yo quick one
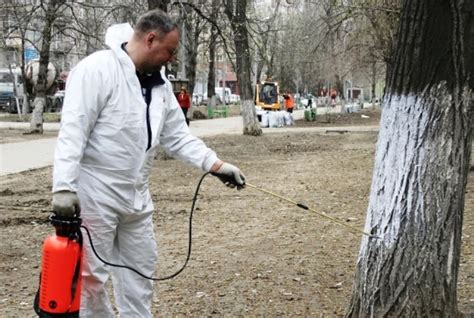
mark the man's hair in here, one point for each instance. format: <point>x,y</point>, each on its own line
<point>155,20</point>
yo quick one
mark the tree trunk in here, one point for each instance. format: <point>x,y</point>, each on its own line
<point>25,109</point>
<point>339,85</point>
<point>420,174</point>
<point>191,53</point>
<point>373,81</point>
<point>243,65</point>
<point>158,4</point>
<point>39,103</point>
<point>335,61</point>
<point>259,69</point>
<point>249,116</point>
<point>211,74</point>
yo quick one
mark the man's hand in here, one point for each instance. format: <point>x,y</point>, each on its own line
<point>230,175</point>
<point>66,203</point>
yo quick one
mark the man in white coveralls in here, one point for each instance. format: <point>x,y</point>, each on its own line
<point>118,108</point>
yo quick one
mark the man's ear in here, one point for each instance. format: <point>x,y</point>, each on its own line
<point>149,38</point>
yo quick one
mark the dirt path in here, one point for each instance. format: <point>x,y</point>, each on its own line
<point>252,255</point>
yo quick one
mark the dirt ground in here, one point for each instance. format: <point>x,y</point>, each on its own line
<point>253,255</point>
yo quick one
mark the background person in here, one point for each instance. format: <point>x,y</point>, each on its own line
<point>289,105</point>
<point>310,101</point>
<point>184,102</point>
<point>333,97</point>
<point>118,109</point>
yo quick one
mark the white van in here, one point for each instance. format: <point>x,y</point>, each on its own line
<point>224,94</point>
<point>10,81</point>
<point>234,98</point>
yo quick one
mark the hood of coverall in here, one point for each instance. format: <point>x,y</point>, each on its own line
<point>117,34</point>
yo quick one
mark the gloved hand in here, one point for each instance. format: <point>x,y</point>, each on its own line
<point>66,203</point>
<point>230,175</point>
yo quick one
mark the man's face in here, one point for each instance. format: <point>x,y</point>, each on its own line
<point>160,51</point>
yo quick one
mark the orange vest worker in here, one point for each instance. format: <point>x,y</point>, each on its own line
<point>289,102</point>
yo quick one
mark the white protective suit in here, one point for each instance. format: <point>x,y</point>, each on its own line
<point>101,154</point>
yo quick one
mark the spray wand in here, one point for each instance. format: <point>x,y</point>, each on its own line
<point>305,207</point>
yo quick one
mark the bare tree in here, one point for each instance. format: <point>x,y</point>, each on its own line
<point>376,27</point>
<point>51,9</point>
<point>421,168</point>
<point>211,74</point>
<point>332,42</point>
<point>80,25</point>
<point>192,25</point>
<point>236,13</point>
<point>200,29</point>
<point>264,38</point>
<point>17,17</point>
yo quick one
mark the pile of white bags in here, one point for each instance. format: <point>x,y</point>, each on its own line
<point>288,118</point>
<point>265,119</point>
<point>275,119</point>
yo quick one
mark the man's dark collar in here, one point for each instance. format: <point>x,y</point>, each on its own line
<point>147,79</point>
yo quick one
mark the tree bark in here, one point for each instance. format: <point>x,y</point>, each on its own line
<point>421,167</point>
<point>373,81</point>
<point>39,103</point>
<point>211,74</point>
<point>158,4</point>
<point>191,51</point>
<point>237,16</point>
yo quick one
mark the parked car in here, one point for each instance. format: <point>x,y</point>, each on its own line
<point>10,82</point>
<point>223,93</point>
<point>198,99</point>
<point>234,98</point>
<point>56,102</point>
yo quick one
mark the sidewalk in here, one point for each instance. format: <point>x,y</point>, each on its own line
<point>22,156</point>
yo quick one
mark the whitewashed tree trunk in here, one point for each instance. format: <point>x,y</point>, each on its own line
<point>36,123</point>
<point>26,102</point>
<point>421,167</point>
<point>251,125</point>
<point>416,206</point>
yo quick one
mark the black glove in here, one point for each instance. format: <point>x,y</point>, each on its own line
<point>231,176</point>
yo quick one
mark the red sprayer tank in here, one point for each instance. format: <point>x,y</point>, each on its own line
<point>61,266</point>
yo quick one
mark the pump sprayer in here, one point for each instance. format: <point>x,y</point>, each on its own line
<point>60,280</point>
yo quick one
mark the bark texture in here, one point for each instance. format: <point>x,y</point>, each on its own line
<point>421,168</point>
<point>211,74</point>
<point>158,4</point>
<point>236,12</point>
<point>193,30</point>
<point>36,123</point>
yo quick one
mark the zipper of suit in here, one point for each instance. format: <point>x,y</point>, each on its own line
<point>146,92</point>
